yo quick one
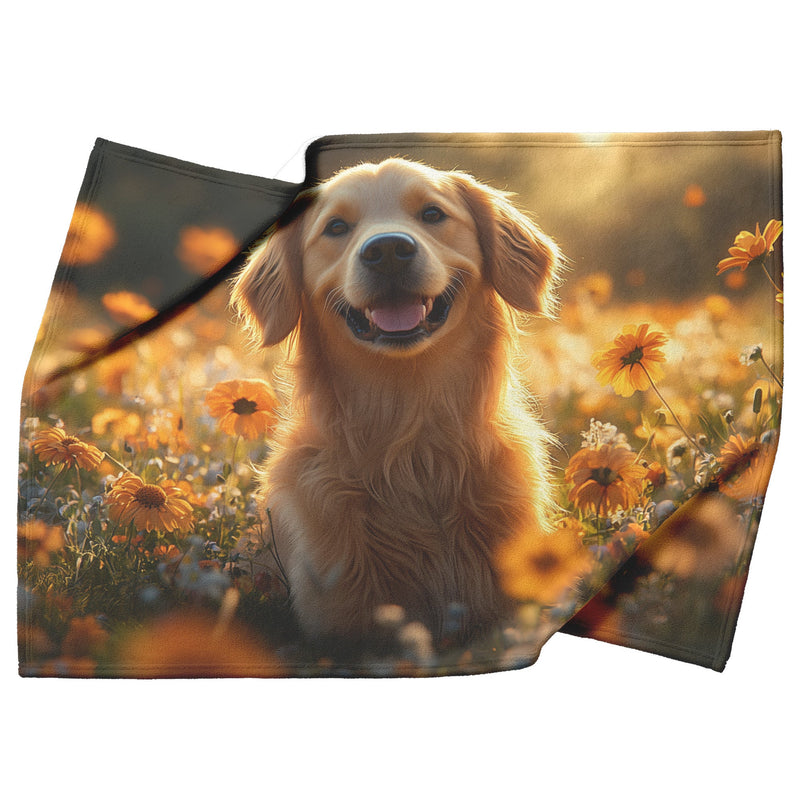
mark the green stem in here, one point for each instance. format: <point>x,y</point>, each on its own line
<point>117,463</point>
<point>645,446</point>
<point>771,372</point>
<point>80,487</point>
<point>233,455</point>
<point>674,415</point>
<point>769,277</point>
<point>50,486</point>
<point>226,493</point>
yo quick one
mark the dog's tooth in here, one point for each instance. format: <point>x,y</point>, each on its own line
<point>428,306</point>
<point>368,315</point>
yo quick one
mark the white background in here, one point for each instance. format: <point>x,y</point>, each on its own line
<point>245,86</point>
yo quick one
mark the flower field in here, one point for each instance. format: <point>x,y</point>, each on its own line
<point>141,550</point>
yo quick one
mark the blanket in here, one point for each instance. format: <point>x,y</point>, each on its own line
<point>450,396</point>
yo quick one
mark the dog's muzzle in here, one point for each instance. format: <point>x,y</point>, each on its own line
<point>397,316</point>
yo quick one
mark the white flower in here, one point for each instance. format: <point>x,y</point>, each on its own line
<point>601,433</point>
<point>751,354</point>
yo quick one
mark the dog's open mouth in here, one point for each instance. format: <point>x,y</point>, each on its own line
<point>401,322</point>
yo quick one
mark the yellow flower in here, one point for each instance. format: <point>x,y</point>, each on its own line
<point>746,466</point>
<point>749,247</point>
<point>149,506</point>
<point>605,479</point>
<point>244,408</point>
<point>53,446</point>
<point>627,362</point>
<point>128,308</point>
<point>538,568</point>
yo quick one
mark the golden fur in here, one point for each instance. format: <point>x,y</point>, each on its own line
<point>400,467</point>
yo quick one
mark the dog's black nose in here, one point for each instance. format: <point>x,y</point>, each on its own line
<point>388,253</point>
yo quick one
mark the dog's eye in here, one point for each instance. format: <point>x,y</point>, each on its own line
<point>336,227</point>
<point>432,214</point>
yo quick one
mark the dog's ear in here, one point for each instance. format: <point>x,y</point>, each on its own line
<point>520,261</point>
<point>266,293</point>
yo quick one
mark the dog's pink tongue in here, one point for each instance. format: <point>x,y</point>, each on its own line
<point>398,318</point>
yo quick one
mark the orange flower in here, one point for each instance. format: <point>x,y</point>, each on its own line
<point>656,474</point>
<point>195,498</point>
<point>718,307</point>
<point>605,479</point>
<point>166,552</point>
<point>192,644</point>
<point>85,637</point>
<point>85,340</point>
<point>120,423</point>
<point>746,466</point>
<point>91,234</point>
<point>538,568</point>
<point>37,540</point>
<point>165,428</point>
<point>53,446</point>
<point>128,308</point>
<point>701,540</point>
<point>597,287</point>
<point>244,408</point>
<point>749,247</point>
<point>627,362</point>
<point>149,506</point>
<point>204,250</point>
<point>694,196</point>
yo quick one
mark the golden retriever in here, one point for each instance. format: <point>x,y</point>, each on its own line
<point>409,452</point>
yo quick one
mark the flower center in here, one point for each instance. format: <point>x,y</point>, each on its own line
<point>68,440</point>
<point>543,563</point>
<point>151,496</point>
<point>604,476</point>
<point>245,406</point>
<point>634,357</point>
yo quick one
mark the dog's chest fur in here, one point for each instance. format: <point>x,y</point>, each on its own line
<point>408,516</point>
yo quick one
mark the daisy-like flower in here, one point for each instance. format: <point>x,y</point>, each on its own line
<point>244,408</point>
<point>54,446</point>
<point>632,362</point>
<point>540,568</point>
<point>746,465</point>
<point>605,479</point>
<point>751,248</point>
<point>149,506</point>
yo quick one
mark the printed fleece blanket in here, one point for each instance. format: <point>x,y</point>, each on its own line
<point>453,394</point>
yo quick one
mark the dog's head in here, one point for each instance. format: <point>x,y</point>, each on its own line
<point>387,256</point>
